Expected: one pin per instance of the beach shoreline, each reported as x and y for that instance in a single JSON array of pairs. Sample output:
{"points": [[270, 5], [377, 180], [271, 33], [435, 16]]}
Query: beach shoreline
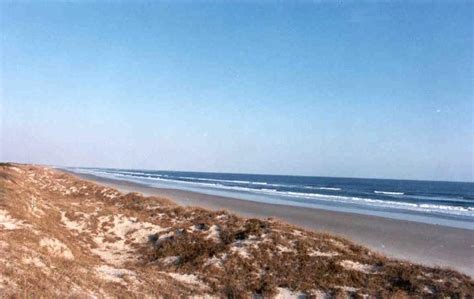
{"points": [[428, 244]]}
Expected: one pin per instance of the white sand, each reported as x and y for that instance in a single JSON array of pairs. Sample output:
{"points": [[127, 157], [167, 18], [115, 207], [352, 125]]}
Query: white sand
{"points": [[185, 278], [284, 293], [126, 231], [213, 233], [57, 248], [320, 253], [112, 274], [348, 264], [9, 223]]}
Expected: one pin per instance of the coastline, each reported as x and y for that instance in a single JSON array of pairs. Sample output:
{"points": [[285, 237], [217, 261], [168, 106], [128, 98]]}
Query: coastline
{"points": [[431, 245], [108, 243]]}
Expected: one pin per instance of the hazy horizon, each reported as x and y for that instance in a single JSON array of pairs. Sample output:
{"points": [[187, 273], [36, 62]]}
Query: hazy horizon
{"points": [[372, 90]]}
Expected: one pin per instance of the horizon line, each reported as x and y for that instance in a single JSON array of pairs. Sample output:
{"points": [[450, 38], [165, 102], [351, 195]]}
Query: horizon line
{"points": [[268, 174]]}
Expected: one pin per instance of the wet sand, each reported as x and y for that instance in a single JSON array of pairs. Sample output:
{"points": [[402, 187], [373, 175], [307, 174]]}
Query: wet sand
{"points": [[431, 245]]}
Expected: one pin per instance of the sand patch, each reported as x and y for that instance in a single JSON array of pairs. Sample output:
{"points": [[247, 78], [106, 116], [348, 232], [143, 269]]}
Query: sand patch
{"points": [[283, 293], [321, 253], [56, 248], [112, 274], [213, 233], [282, 248], [116, 238], [351, 265], [185, 278], [16, 169], [110, 193], [215, 261], [9, 223], [169, 260], [35, 261], [73, 225], [240, 250]]}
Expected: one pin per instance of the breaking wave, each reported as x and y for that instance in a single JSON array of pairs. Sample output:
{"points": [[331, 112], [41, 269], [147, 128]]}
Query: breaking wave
{"points": [[297, 193], [388, 192]]}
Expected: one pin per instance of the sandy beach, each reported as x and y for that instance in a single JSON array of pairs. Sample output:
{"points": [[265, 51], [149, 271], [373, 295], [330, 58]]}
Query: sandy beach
{"points": [[65, 236], [431, 245]]}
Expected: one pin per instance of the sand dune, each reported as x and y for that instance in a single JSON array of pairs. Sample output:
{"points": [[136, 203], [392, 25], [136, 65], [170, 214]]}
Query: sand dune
{"points": [[63, 236]]}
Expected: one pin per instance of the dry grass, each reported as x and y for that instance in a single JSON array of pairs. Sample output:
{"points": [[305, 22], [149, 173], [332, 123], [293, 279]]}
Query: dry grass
{"points": [[128, 245], [265, 266]]}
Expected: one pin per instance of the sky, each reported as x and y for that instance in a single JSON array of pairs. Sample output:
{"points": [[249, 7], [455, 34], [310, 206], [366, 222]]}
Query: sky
{"points": [[348, 89]]}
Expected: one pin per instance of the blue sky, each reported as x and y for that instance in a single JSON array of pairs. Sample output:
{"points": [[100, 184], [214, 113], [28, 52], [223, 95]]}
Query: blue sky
{"points": [[332, 89]]}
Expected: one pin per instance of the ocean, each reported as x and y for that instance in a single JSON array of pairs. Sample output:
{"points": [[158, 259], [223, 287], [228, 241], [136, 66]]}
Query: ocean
{"points": [[433, 202]]}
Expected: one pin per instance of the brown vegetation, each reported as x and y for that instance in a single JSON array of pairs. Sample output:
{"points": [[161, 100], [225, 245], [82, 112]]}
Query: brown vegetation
{"points": [[63, 236]]}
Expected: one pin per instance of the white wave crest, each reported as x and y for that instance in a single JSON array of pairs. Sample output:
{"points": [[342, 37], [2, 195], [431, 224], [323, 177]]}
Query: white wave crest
{"points": [[217, 185], [388, 192]]}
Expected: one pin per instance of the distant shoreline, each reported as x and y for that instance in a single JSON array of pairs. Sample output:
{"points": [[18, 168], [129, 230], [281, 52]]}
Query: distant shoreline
{"points": [[428, 244], [273, 174]]}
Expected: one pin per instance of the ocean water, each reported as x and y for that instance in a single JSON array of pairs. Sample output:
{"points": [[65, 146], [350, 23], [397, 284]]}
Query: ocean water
{"points": [[434, 202]]}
